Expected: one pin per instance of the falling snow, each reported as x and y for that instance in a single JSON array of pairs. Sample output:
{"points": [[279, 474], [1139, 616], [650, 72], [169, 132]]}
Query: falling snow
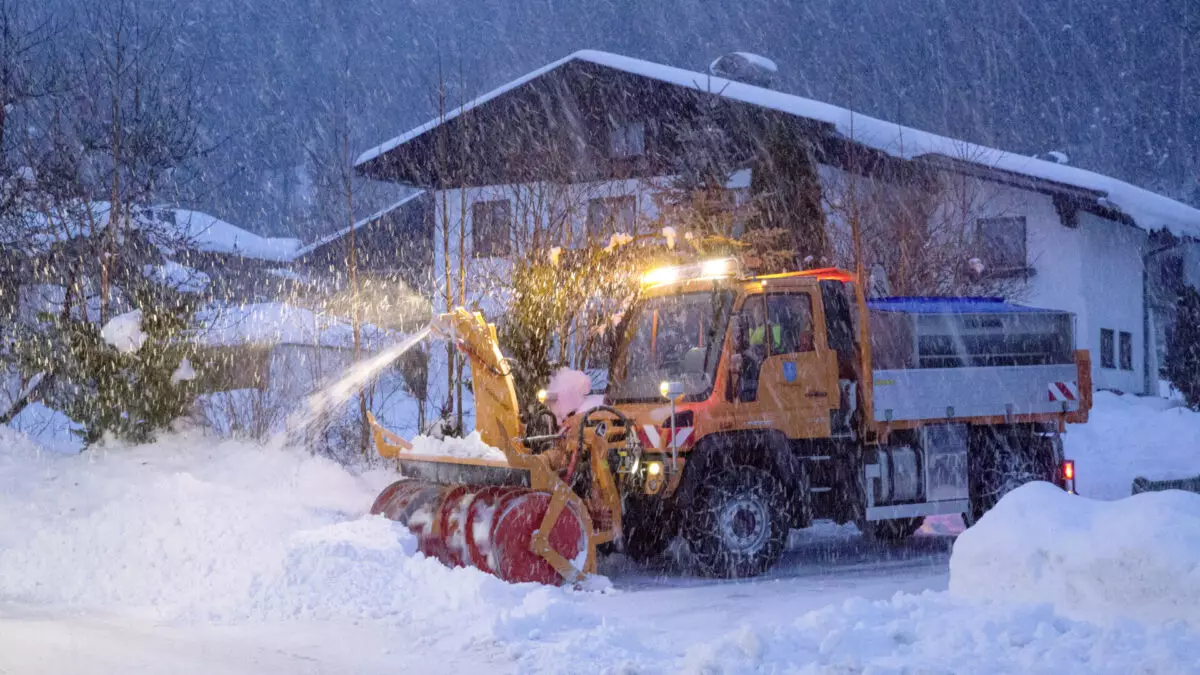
{"points": [[227, 236]]}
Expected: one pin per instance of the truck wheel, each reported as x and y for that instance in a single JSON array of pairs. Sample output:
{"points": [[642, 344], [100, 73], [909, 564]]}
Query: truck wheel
{"points": [[647, 527], [739, 523], [1008, 462], [890, 531]]}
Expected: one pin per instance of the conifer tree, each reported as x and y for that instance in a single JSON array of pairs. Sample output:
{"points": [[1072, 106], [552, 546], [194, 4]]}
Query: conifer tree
{"points": [[1183, 348]]}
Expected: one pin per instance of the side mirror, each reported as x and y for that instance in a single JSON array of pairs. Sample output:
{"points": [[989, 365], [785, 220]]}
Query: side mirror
{"points": [[734, 383], [737, 333]]}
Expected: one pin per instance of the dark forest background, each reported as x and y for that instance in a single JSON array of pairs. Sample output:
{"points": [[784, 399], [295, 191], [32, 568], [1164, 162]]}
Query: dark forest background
{"points": [[1114, 84]]}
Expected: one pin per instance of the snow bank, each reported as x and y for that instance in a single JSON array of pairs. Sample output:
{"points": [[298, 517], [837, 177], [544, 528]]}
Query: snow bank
{"points": [[470, 447], [1138, 557], [1130, 436], [124, 332], [936, 633], [190, 529]]}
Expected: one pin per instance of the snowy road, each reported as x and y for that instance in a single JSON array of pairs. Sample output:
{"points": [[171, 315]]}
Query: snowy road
{"points": [[670, 610], [822, 567]]}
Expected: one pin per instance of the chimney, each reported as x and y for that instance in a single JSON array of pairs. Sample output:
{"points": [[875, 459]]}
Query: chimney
{"points": [[745, 67]]}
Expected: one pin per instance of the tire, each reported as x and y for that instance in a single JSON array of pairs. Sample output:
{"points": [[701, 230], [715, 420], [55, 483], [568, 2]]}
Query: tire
{"points": [[1006, 460], [738, 525], [647, 527], [890, 531]]}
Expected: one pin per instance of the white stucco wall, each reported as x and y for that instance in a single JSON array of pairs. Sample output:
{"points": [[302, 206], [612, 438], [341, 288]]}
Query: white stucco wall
{"points": [[1112, 284], [533, 208], [1093, 270]]}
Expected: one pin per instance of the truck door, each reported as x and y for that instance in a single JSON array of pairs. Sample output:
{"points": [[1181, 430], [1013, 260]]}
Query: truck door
{"points": [[788, 378]]}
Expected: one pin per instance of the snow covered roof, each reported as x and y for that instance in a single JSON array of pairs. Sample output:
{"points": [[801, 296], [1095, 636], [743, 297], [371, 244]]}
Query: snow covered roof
{"points": [[163, 225], [211, 234], [309, 248], [1149, 210]]}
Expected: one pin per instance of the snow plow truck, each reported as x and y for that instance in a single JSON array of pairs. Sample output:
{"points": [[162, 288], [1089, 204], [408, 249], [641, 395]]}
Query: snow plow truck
{"points": [[740, 406]]}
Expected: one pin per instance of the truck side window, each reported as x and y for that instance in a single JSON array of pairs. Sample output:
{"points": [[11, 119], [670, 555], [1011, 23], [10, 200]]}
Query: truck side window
{"points": [[754, 342], [791, 322]]}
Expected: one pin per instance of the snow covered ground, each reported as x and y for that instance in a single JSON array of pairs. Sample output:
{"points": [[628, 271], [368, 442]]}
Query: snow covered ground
{"points": [[197, 555]]}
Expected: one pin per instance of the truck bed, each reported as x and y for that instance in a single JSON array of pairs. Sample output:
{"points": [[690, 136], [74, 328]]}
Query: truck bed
{"points": [[948, 358], [941, 393]]}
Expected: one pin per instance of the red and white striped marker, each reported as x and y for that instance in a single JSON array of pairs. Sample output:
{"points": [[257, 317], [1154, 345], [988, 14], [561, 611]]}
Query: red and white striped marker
{"points": [[1064, 391]]}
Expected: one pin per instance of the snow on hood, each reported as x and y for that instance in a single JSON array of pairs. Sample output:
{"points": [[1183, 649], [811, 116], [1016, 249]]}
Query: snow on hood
{"points": [[1151, 211]]}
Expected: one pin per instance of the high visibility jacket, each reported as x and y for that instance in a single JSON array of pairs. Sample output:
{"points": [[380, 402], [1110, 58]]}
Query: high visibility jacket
{"points": [[756, 336]]}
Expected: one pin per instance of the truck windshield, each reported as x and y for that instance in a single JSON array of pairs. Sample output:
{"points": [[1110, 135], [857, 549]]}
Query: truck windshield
{"points": [[674, 338]]}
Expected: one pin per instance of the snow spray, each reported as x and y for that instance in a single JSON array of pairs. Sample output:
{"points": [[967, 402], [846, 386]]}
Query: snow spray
{"points": [[322, 402]]}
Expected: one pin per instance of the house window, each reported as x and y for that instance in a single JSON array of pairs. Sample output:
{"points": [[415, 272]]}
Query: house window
{"points": [[1126, 351], [627, 140], [607, 215], [491, 229], [1107, 359], [1000, 243]]}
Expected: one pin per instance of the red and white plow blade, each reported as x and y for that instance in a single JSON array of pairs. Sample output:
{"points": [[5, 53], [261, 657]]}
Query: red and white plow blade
{"points": [[488, 527], [1064, 391]]}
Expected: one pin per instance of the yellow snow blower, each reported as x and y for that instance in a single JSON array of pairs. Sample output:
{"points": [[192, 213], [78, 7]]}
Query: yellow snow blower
{"points": [[538, 514]]}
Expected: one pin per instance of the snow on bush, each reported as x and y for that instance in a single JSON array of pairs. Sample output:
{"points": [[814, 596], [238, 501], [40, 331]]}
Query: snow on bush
{"points": [[669, 234], [1138, 557], [124, 332], [184, 372], [471, 446], [1130, 436], [617, 240]]}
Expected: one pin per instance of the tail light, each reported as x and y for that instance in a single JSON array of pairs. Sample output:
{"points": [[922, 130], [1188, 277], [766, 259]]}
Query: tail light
{"points": [[1068, 475]]}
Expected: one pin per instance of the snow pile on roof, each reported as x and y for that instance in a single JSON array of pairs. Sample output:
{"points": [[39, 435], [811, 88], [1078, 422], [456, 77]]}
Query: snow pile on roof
{"points": [[209, 233], [469, 447], [273, 323], [1151, 211], [124, 332], [1133, 558], [1129, 436]]}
